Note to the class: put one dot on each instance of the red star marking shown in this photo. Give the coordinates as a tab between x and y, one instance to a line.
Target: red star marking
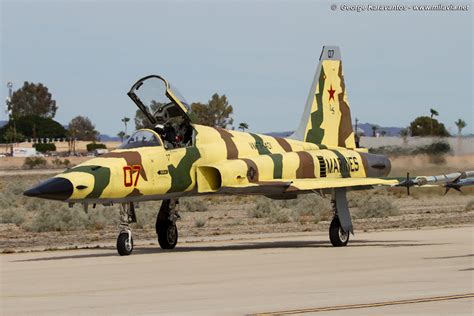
331	93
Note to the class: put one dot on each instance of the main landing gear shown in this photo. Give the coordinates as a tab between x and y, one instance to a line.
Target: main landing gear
125	238
166	224
341	224
338	237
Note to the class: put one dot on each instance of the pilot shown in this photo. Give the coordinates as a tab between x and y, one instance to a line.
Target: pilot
163	131
175	135
169	135
186	132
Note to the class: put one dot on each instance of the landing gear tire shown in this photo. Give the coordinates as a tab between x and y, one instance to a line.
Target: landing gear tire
338	237
167	234
124	243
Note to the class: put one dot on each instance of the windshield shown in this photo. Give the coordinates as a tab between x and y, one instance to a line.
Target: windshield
158	100
141	138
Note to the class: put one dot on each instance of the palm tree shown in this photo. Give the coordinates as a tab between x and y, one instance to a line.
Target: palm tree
374	129
125	120
243	126
460	124
433	113
122	135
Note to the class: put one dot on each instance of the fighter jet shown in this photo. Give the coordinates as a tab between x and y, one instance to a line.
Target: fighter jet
177	157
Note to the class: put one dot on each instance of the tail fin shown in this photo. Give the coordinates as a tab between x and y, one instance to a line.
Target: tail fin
327	118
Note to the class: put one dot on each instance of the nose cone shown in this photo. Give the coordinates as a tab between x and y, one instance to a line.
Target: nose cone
53	189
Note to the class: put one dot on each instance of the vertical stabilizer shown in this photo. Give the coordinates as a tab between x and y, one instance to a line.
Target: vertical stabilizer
327	118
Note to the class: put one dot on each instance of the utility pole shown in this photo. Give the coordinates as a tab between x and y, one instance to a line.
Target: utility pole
356	135
10	112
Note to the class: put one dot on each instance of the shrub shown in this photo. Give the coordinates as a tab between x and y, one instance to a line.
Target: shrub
44	147
32	162
235	222
200	222
374	206
310	208
192	204
146	216
261	209
100	218
59	218
12	216
58	162
94	146
278	217
436	148
304	209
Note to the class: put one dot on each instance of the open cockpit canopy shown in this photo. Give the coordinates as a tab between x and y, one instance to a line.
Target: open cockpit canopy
159	101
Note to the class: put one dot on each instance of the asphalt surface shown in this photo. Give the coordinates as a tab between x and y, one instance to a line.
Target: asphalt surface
408	272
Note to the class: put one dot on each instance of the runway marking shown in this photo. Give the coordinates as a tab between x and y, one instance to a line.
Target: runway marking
379	304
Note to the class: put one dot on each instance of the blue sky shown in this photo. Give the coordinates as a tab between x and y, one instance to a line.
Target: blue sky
261	54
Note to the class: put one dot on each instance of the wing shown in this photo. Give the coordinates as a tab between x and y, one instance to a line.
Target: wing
273	187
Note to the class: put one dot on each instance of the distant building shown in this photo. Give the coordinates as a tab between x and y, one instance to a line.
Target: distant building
24	152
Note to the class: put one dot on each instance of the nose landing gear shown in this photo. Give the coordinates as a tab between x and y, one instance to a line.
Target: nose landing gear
125	238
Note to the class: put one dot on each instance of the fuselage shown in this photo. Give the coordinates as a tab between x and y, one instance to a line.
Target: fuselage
217	158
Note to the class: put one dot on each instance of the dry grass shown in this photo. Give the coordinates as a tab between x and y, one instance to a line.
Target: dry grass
372	204
305	209
423	165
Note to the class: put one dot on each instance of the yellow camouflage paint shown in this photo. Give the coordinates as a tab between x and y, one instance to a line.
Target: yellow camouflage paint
320	154
147	173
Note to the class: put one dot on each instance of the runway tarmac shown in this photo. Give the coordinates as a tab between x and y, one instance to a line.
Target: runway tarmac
407	272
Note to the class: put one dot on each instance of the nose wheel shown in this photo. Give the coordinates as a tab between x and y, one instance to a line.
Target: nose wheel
125	242
125	238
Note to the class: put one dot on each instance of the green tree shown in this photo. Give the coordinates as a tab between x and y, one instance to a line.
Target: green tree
81	128
9	136
32	126
243	126
125	120
427	126
33	99
121	134
460	125
217	112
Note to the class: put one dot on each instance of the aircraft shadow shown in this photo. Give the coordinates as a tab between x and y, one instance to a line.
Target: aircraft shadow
240	246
